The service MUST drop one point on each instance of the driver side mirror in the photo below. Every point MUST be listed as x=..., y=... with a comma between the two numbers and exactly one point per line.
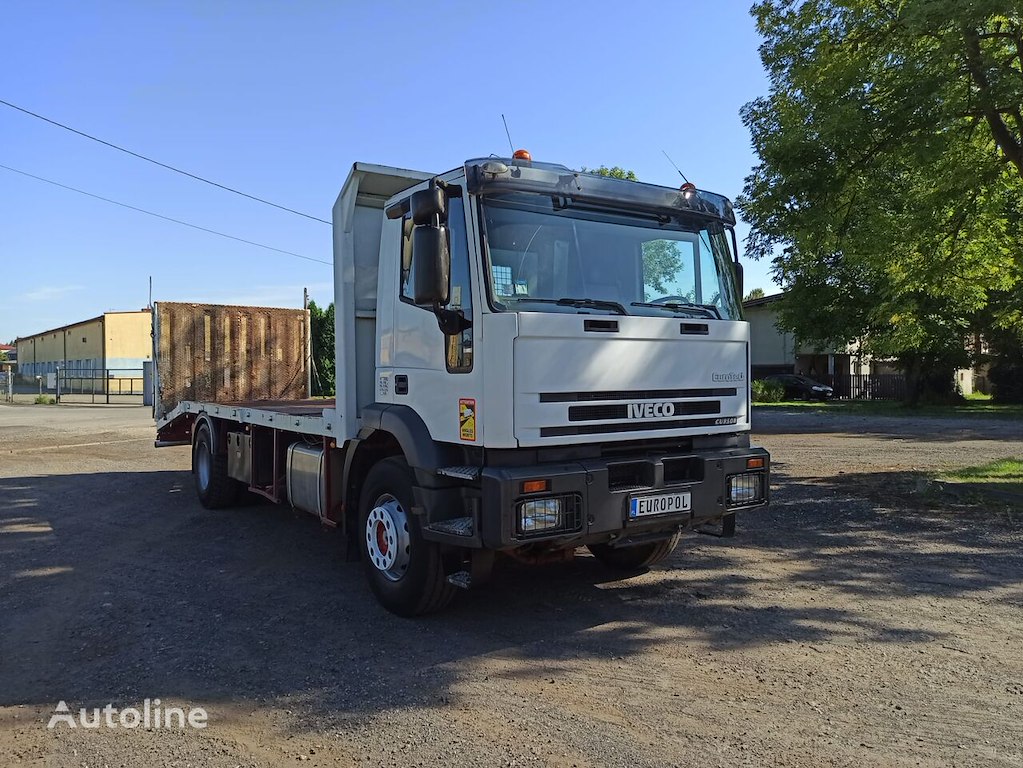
x=429, y=206
x=432, y=260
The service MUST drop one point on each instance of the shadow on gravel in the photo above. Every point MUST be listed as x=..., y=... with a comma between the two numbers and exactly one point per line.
x=894, y=534
x=118, y=586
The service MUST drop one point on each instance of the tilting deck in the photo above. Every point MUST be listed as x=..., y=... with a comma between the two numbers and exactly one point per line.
x=310, y=417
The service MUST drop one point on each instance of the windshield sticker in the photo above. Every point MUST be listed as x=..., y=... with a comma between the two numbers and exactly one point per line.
x=502, y=280
x=467, y=419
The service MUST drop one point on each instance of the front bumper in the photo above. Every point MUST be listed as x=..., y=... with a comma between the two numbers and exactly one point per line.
x=597, y=494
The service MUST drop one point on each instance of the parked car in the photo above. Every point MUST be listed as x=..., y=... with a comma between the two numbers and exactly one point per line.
x=802, y=387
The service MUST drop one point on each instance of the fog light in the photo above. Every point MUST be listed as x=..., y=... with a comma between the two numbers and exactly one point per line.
x=540, y=515
x=745, y=489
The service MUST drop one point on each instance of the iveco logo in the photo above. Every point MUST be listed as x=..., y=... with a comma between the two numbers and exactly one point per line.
x=730, y=376
x=650, y=410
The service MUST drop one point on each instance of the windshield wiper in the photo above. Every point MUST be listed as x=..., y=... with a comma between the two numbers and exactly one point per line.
x=568, y=301
x=681, y=306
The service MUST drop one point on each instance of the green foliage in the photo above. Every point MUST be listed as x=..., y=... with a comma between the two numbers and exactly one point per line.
x=616, y=172
x=756, y=293
x=662, y=262
x=662, y=259
x=321, y=322
x=3, y=355
x=45, y=400
x=889, y=191
x=767, y=391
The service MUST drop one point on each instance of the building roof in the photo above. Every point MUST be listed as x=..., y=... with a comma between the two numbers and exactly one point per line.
x=764, y=300
x=82, y=322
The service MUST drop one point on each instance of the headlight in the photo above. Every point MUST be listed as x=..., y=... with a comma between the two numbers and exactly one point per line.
x=540, y=515
x=535, y=517
x=745, y=489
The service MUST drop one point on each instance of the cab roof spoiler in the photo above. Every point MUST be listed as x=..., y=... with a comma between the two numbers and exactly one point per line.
x=494, y=175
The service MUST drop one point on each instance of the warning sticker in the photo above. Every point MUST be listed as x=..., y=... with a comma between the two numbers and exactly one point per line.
x=467, y=419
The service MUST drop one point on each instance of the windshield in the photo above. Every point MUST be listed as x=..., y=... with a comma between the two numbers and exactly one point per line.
x=548, y=258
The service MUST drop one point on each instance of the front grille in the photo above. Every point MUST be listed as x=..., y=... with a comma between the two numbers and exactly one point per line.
x=621, y=411
x=641, y=394
x=635, y=426
x=633, y=474
x=688, y=469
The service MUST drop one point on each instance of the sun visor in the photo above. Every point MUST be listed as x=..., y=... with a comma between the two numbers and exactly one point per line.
x=496, y=175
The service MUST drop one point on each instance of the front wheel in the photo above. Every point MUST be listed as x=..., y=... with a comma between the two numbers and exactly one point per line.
x=637, y=557
x=405, y=572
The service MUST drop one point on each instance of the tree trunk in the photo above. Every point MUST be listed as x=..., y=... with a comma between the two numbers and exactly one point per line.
x=929, y=380
x=1010, y=144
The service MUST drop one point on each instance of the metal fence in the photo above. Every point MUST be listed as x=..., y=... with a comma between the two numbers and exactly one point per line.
x=100, y=385
x=888, y=386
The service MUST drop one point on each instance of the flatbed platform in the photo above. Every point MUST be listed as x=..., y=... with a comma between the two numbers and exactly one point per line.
x=308, y=417
x=311, y=407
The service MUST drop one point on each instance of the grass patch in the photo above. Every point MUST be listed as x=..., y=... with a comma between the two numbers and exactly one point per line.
x=1003, y=475
x=982, y=408
x=45, y=400
x=932, y=494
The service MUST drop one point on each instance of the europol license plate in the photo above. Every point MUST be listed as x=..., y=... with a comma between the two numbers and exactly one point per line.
x=659, y=504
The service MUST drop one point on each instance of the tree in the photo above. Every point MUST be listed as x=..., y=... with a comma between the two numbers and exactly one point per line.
x=662, y=259
x=616, y=172
x=321, y=326
x=756, y=293
x=890, y=177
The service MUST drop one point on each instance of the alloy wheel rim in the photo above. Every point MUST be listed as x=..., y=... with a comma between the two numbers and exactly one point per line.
x=387, y=537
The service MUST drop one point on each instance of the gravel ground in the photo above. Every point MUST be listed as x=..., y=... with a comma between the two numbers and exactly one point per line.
x=850, y=624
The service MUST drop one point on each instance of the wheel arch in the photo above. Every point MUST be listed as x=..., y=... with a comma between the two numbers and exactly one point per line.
x=389, y=430
x=409, y=431
x=203, y=419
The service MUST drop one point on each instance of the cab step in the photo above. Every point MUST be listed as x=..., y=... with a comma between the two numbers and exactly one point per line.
x=461, y=473
x=461, y=579
x=457, y=526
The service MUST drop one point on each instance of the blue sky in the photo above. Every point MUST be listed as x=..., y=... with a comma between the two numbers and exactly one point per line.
x=279, y=100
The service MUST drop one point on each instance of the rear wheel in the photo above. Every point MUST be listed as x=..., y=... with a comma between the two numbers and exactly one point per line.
x=635, y=558
x=215, y=489
x=405, y=572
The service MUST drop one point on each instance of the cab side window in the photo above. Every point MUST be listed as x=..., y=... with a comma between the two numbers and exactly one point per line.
x=406, y=259
x=458, y=348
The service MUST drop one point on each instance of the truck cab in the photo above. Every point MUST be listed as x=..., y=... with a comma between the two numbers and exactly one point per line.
x=559, y=360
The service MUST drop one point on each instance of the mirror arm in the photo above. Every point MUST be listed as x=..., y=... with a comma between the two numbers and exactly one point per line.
x=451, y=321
x=738, y=267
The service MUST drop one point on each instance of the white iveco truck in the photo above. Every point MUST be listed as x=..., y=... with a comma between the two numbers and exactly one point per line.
x=529, y=360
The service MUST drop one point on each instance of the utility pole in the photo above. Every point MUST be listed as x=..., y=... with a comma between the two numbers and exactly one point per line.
x=308, y=344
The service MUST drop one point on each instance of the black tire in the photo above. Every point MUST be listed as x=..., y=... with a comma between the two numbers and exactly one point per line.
x=213, y=486
x=413, y=584
x=635, y=558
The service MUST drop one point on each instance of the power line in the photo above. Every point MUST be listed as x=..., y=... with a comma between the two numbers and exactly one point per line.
x=165, y=218
x=162, y=165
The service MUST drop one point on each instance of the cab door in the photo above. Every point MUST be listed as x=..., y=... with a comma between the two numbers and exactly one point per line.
x=436, y=374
